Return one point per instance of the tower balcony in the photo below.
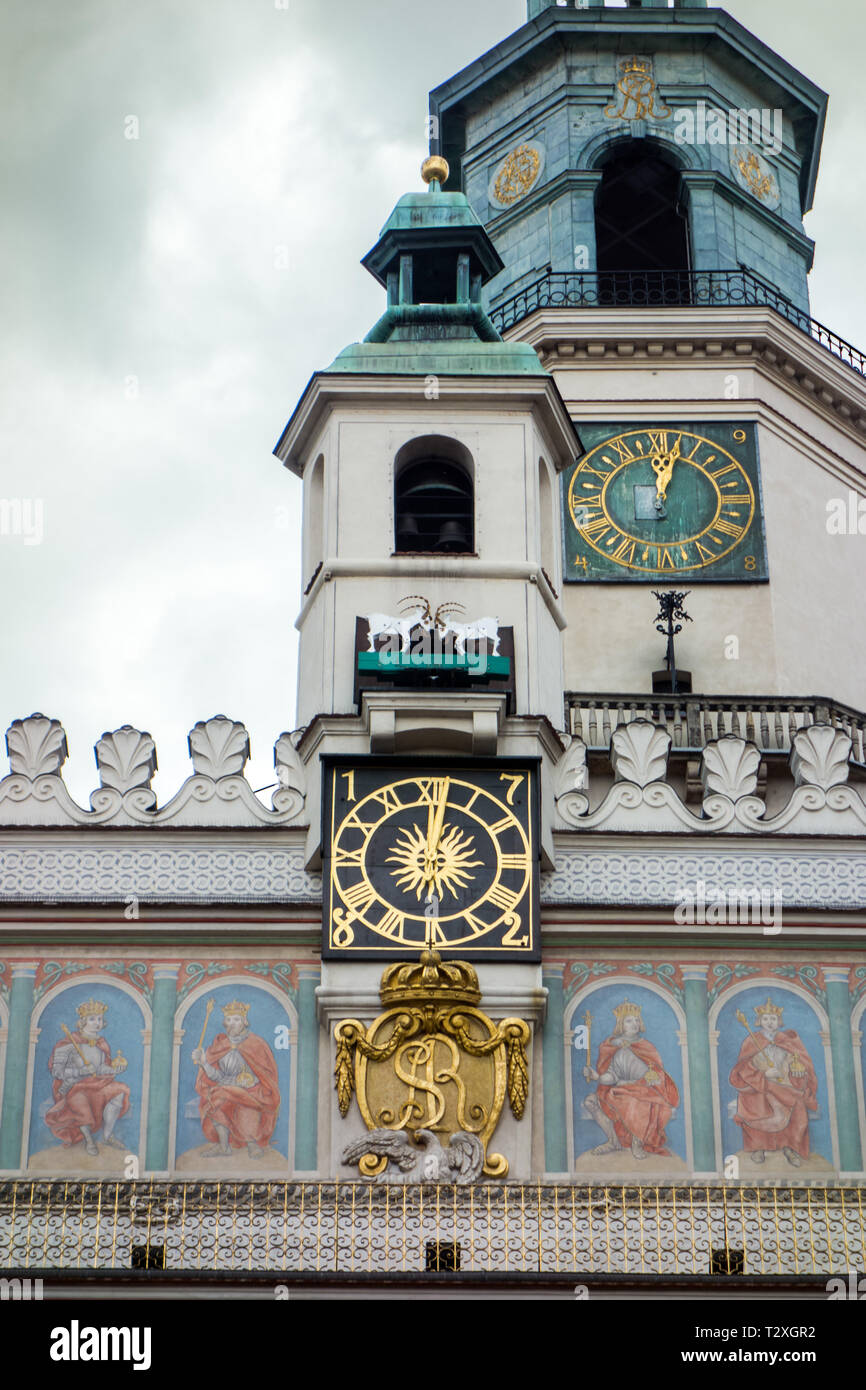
(665, 289)
(771, 722)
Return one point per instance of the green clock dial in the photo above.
(443, 853)
(677, 501)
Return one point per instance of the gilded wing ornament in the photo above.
(424, 1160)
(392, 1144)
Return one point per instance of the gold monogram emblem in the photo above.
(761, 184)
(517, 175)
(637, 89)
(433, 1061)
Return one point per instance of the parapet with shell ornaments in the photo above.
(217, 793)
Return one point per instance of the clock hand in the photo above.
(663, 467)
(434, 835)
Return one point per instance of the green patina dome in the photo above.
(433, 256)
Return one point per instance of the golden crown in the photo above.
(235, 1007)
(91, 1006)
(429, 981)
(769, 1008)
(636, 65)
(626, 1010)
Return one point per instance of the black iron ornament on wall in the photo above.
(669, 622)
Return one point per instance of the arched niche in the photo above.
(4, 1036)
(641, 224)
(657, 1110)
(739, 1113)
(858, 1039)
(315, 517)
(434, 497)
(55, 1142)
(269, 1127)
(547, 530)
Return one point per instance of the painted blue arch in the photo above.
(800, 1015)
(125, 1021)
(662, 1025)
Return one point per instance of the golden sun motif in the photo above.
(448, 871)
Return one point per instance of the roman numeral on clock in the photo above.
(620, 448)
(359, 898)
(348, 858)
(430, 790)
(388, 799)
(392, 923)
(729, 529)
(624, 551)
(503, 898)
(513, 861)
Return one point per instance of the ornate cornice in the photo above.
(622, 339)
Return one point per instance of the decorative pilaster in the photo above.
(15, 1086)
(307, 1084)
(159, 1092)
(700, 1080)
(554, 1051)
(842, 1052)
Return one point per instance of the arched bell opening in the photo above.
(641, 227)
(434, 499)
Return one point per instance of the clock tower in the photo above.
(578, 934)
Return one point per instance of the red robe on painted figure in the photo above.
(249, 1113)
(85, 1101)
(639, 1109)
(773, 1114)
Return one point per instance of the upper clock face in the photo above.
(445, 853)
(675, 502)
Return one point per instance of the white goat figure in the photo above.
(402, 626)
(476, 631)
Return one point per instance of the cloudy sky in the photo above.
(168, 297)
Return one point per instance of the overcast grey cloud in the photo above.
(168, 296)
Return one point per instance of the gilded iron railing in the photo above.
(379, 1229)
(661, 289)
(693, 720)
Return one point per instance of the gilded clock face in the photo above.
(674, 501)
(445, 853)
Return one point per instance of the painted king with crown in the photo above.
(636, 1097)
(88, 1098)
(777, 1087)
(238, 1087)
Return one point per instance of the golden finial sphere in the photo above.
(435, 168)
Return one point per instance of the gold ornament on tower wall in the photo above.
(638, 96)
(433, 1064)
(516, 175)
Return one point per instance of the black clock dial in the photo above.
(444, 854)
